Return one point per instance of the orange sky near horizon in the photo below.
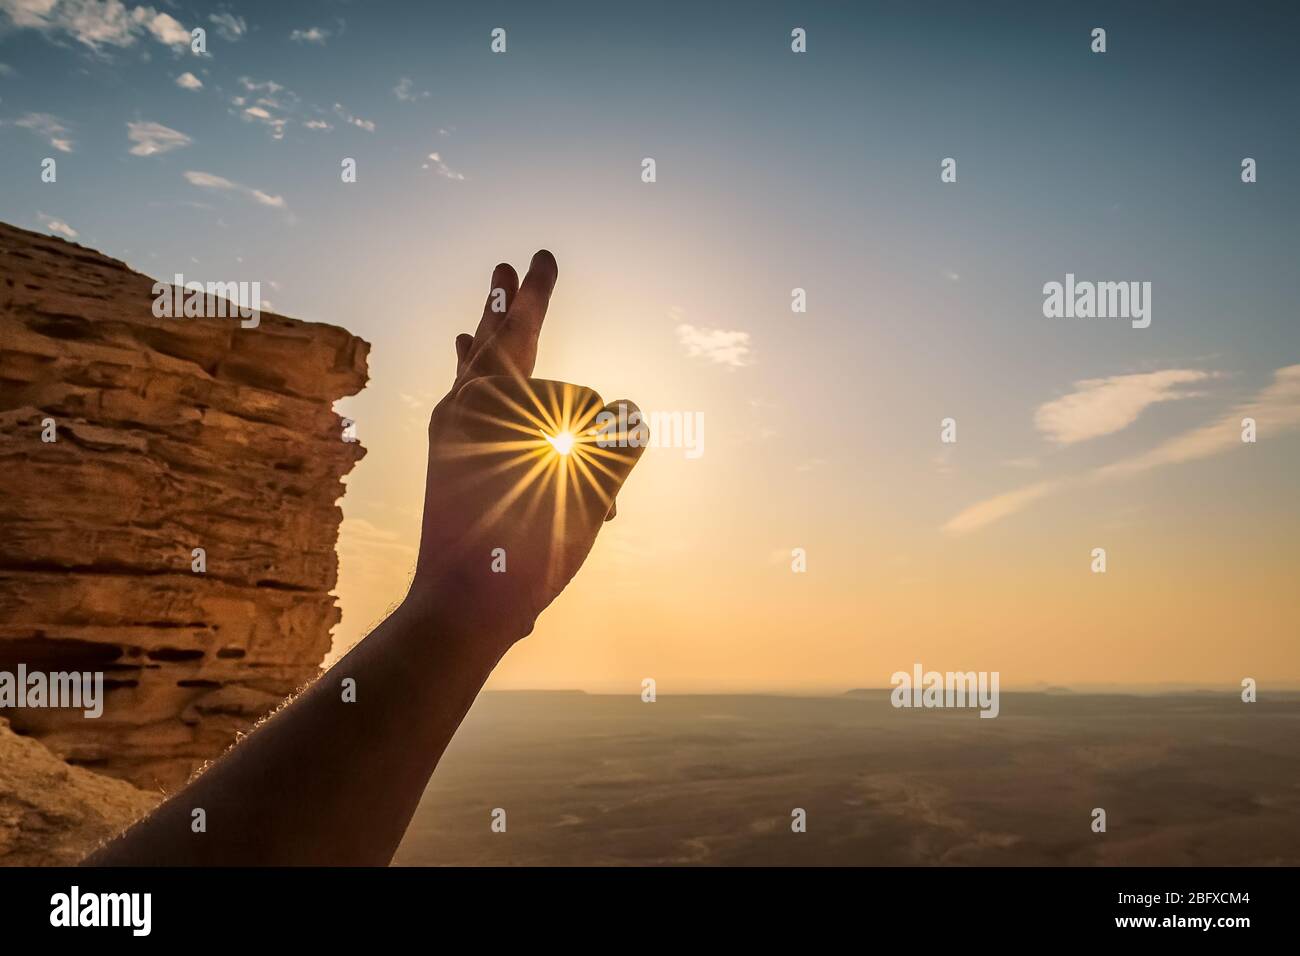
(692, 583)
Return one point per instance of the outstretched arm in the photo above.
(522, 472)
(324, 782)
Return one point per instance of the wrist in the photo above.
(436, 617)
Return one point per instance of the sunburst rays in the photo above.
(548, 436)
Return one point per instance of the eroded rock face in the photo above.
(172, 434)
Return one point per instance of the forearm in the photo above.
(326, 781)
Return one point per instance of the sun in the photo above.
(556, 445)
(562, 442)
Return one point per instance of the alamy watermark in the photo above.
(74, 908)
(76, 690)
(633, 428)
(1098, 300)
(213, 300)
(946, 689)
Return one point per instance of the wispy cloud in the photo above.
(1101, 406)
(188, 81)
(49, 127)
(151, 139)
(999, 506)
(211, 181)
(229, 27)
(442, 169)
(351, 120)
(96, 24)
(1028, 461)
(1275, 409)
(315, 35)
(268, 87)
(722, 347)
(406, 92)
(56, 225)
(261, 114)
(163, 26)
(268, 103)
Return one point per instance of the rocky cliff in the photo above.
(169, 435)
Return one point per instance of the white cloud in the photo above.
(356, 121)
(998, 507)
(151, 139)
(212, 181)
(717, 345)
(1101, 406)
(56, 225)
(266, 86)
(49, 127)
(317, 124)
(442, 169)
(164, 27)
(6, 69)
(27, 13)
(1276, 410)
(229, 26)
(188, 81)
(268, 200)
(271, 108)
(96, 23)
(209, 180)
(93, 24)
(310, 35)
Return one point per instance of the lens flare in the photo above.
(562, 443)
(555, 449)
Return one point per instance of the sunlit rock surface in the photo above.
(53, 814)
(172, 434)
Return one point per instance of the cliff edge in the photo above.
(169, 435)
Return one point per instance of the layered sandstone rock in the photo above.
(172, 434)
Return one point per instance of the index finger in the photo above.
(512, 348)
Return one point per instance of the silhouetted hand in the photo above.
(522, 471)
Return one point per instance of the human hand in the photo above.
(522, 471)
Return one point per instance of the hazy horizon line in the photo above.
(1096, 690)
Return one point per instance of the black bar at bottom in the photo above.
(444, 907)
